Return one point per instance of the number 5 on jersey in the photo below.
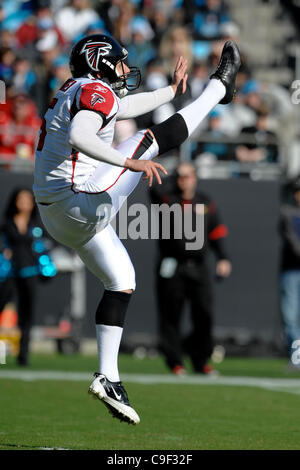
(43, 131)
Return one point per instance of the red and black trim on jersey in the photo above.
(143, 145)
(74, 158)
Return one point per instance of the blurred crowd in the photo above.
(35, 41)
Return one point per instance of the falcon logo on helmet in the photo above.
(93, 50)
(96, 98)
(100, 55)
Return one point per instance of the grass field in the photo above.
(52, 409)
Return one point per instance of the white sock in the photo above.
(195, 112)
(108, 342)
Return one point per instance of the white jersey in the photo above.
(58, 167)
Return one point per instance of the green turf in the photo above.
(61, 415)
(251, 367)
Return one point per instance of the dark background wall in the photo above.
(246, 303)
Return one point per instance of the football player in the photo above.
(80, 181)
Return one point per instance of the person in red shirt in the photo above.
(20, 124)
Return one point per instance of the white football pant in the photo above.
(82, 220)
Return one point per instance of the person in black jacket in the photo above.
(183, 274)
(23, 259)
(263, 143)
(290, 270)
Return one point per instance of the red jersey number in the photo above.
(43, 131)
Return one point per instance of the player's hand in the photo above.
(223, 268)
(148, 167)
(180, 77)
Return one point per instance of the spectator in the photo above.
(160, 22)
(208, 20)
(199, 78)
(49, 50)
(243, 111)
(263, 142)
(140, 50)
(244, 83)
(46, 22)
(24, 77)
(290, 268)
(155, 78)
(35, 27)
(19, 129)
(74, 19)
(183, 275)
(7, 59)
(60, 72)
(283, 115)
(26, 34)
(215, 149)
(121, 15)
(7, 38)
(22, 248)
(175, 42)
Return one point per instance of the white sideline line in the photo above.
(52, 448)
(273, 384)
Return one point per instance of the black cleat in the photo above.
(114, 397)
(227, 69)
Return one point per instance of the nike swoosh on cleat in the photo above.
(118, 397)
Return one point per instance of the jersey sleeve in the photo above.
(96, 97)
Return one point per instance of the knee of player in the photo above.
(124, 281)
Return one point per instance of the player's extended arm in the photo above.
(132, 106)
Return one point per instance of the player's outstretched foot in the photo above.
(227, 69)
(114, 397)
